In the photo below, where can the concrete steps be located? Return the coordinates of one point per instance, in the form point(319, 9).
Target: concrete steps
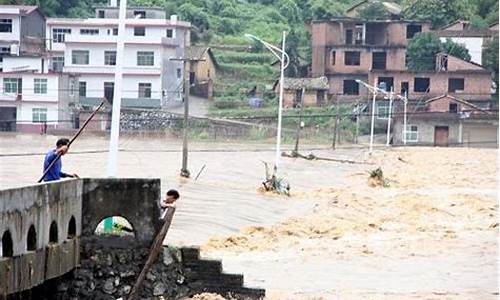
point(206, 275)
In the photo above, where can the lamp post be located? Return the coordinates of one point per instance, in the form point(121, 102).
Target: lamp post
point(374, 91)
point(284, 59)
point(391, 98)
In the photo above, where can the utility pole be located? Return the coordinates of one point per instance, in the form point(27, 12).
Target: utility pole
point(187, 62)
point(299, 125)
point(357, 124)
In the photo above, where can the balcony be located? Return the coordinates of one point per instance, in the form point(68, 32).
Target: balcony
point(112, 39)
point(110, 70)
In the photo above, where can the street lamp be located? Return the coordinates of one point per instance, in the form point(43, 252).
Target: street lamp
point(283, 57)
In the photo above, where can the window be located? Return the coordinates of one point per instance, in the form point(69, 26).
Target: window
point(352, 58)
point(453, 108)
point(110, 58)
point(192, 77)
point(100, 14)
point(379, 60)
point(144, 90)
point(115, 31)
point(5, 25)
point(411, 133)
point(405, 87)
point(170, 33)
point(57, 63)
point(140, 13)
point(40, 85)
point(80, 57)
point(351, 87)
point(421, 84)
point(332, 57)
point(11, 85)
point(179, 73)
point(412, 29)
point(39, 115)
point(348, 36)
point(58, 34)
point(82, 89)
point(5, 50)
point(385, 83)
point(455, 84)
point(90, 31)
point(139, 31)
point(382, 110)
point(109, 90)
point(145, 58)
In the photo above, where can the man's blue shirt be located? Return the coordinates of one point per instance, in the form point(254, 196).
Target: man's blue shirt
point(55, 171)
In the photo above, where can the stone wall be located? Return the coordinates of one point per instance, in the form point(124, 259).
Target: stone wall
point(110, 266)
point(135, 199)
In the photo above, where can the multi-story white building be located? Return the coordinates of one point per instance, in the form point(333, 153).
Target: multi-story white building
point(30, 95)
point(87, 47)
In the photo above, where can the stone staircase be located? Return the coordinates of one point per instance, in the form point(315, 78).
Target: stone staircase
point(206, 275)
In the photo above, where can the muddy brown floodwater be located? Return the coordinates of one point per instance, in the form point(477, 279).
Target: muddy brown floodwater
point(431, 234)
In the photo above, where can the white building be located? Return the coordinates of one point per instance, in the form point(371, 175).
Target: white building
point(87, 47)
point(22, 30)
point(31, 98)
point(30, 94)
point(475, 40)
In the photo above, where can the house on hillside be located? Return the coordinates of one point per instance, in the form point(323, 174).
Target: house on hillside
point(203, 72)
point(447, 121)
point(315, 91)
point(346, 49)
point(392, 8)
point(87, 47)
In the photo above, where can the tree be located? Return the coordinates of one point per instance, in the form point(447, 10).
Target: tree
point(456, 49)
point(421, 51)
point(439, 12)
point(324, 9)
point(490, 61)
point(374, 11)
point(476, 22)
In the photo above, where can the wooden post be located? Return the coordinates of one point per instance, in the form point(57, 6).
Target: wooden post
point(153, 253)
point(299, 127)
point(357, 127)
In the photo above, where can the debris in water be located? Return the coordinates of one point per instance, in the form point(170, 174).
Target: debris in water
point(275, 184)
point(377, 178)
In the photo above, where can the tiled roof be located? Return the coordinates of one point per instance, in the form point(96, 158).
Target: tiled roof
point(319, 83)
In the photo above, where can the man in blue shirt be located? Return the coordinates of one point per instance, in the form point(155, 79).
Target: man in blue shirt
point(55, 172)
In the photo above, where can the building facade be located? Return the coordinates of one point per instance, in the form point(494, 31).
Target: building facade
point(87, 47)
point(447, 121)
point(346, 49)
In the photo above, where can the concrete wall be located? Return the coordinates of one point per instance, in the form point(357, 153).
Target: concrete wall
point(136, 200)
point(426, 129)
point(310, 98)
point(39, 205)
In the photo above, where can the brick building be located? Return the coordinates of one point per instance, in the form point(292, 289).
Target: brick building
point(346, 49)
